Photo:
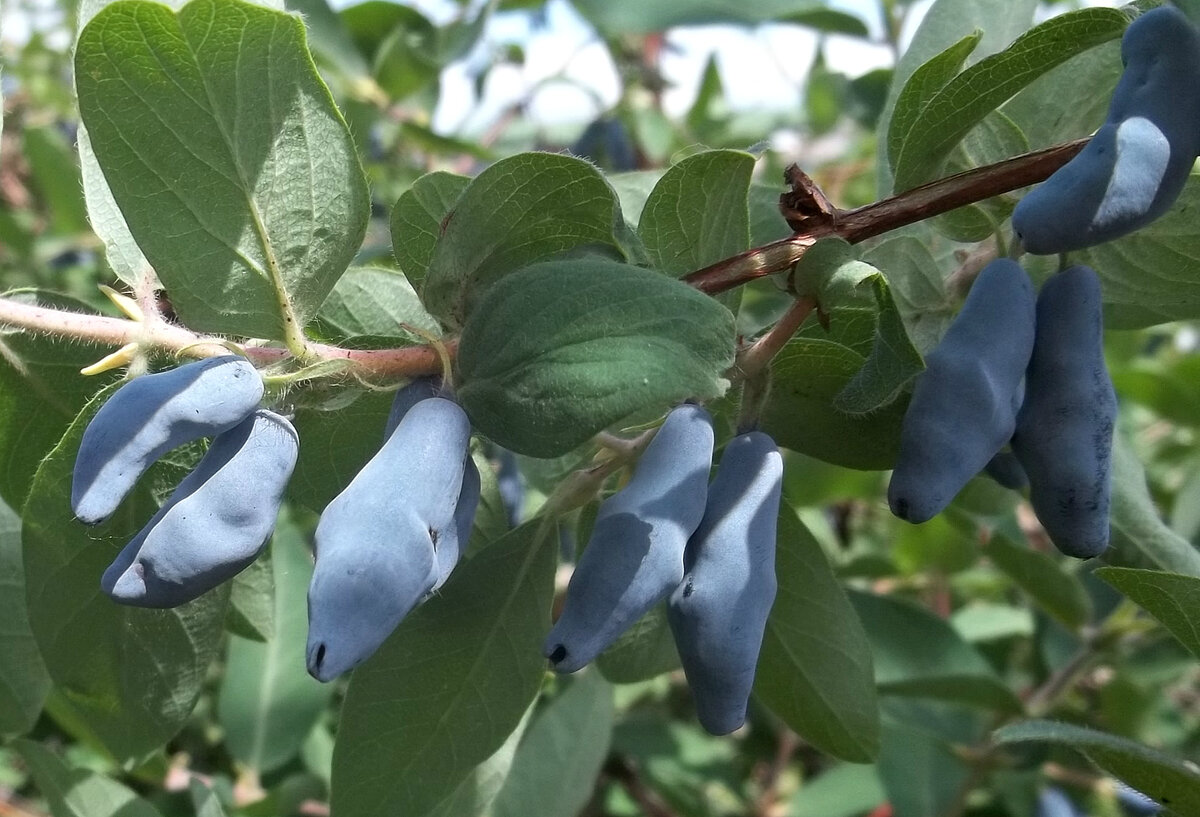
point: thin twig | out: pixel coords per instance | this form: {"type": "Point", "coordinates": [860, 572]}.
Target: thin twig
{"type": "Point", "coordinates": [897, 211]}
{"type": "Point", "coordinates": [624, 772]}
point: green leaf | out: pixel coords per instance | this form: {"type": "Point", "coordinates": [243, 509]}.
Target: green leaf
{"type": "Point", "coordinates": [473, 797]}
{"type": "Point", "coordinates": [1097, 69]}
{"type": "Point", "coordinates": [699, 212]}
{"type": "Point", "coordinates": [644, 651]}
{"type": "Point", "coordinates": [41, 391]}
{"type": "Point", "coordinates": [204, 800]}
{"type": "Point", "coordinates": [374, 302]}
{"type": "Point", "coordinates": [1138, 536]}
{"type": "Point", "coordinates": [1056, 591]}
{"type": "Point", "coordinates": [1168, 780]}
{"type": "Point", "coordinates": [121, 251]}
{"type": "Point", "coordinates": [23, 679]}
{"type": "Point", "coordinates": [946, 22]}
{"type": "Point", "coordinates": [1172, 599]}
{"type": "Point", "coordinates": [417, 219]}
{"type": "Point", "coordinates": [918, 654]}
{"type": "Point", "coordinates": [814, 670]}
{"type": "Point", "coordinates": [252, 601]}
{"type": "Point", "coordinates": [619, 17]}
{"type": "Point", "coordinates": [891, 365]}
{"type": "Point", "coordinates": [338, 442]}
{"type": "Point", "coordinates": [994, 139]}
{"type": "Point", "coordinates": [268, 702]}
{"type": "Point", "coordinates": [131, 675]}
{"type": "Point", "coordinates": [920, 772]}
{"type": "Point", "coordinates": [566, 348]}
{"type": "Point", "coordinates": [924, 83]}
{"type": "Point", "coordinates": [846, 790]}
{"type": "Point", "coordinates": [807, 375]}
{"type": "Point", "coordinates": [965, 100]}
{"type": "Point", "coordinates": [55, 178]}
{"type": "Point", "coordinates": [843, 381]}
{"type": "Point", "coordinates": [450, 685]}
{"type": "Point", "coordinates": [74, 792]}
{"type": "Point", "coordinates": [916, 277]}
{"type": "Point", "coordinates": [556, 766]}
{"type": "Point", "coordinates": [522, 209]}
{"type": "Point", "coordinates": [1170, 388]}
{"type": "Point", "coordinates": [240, 207]}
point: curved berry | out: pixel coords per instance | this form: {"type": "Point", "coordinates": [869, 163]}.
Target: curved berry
{"type": "Point", "coordinates": [377, 542]}
{"type": "Point", "coordinates": [635, 554]}
{"type": "Point", "coordinates": [215, 523]}
{"type": "Point", "coordinates": [1064, 430]}
{"type": "Point", "coordinates": [1133, 169]}
{"type": "Point", "coordinates": [963, 408]}
{"type": "Point", "coordinates": [149, 416]}
{"type": "Point", "coordinates": [719, 611]}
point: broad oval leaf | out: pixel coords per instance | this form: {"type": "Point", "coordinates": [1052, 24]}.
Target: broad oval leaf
{"type": "Point", "coordinates": [444, 692]}
{"type": "Point", "coordinates": [807, 376]}
{"type": "Point", "coordinates": [131, 675]}
{"type": "Point", "coordinates": [814, 670]}
{"type": "Point", "coordinates": [1138, 535]}
{"type": "Point", "coordinates": [556, 765]}
{"type": "Point", "coordinates": [417, 218]}
{"type": "Point", "coordinates": [232, 167]}
{"type": "Point", "coordinates": [698, 213]}
{"type": "Point", "coordinates": [565, 348]}
{"type": "Point", "coordinates": [1172, 599]}
{"type": "Point", "coordinates": [918, 654]}
{"type": "Point", "coordinates": [23, 679]}
{"type": "Point", "coordinates": [76, 792]}
{"type": "Point", "coordinates": [522, 209]}
{"type": "Point", "coordinates": [1168, 780]}
{"type": "Point", "coordinates": [1055, 590]}
{"type": "Point", "coordinates": [374, 303]}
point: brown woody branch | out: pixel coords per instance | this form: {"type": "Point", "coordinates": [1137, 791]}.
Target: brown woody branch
{"type": "Point", "coordinates": [815, 219]}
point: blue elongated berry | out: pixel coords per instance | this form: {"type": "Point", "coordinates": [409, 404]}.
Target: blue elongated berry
{"type": "Point", "coordinates": [1133, 169]}
{"type": "Point", "coordinates": [416, 390]}
{"type": "Point", "coordinates": [1053, 802]}
{"type": "Point", "coordinates": [377, 542]}
{"type": "Point", "coordinates": [634, 557]}
{"type": "Point", "coordinates": [454, 542]}
{"type": "Point", "coordinates": [215, 523]}
{"type": "Point", "coordinates": [719, 611]}
{"type": "Point", "coordinates": [1064, 430]}
{"type": "Point", "coordinates": [963, 408]}
{"type": "Point", "coordinates": [149, 416]}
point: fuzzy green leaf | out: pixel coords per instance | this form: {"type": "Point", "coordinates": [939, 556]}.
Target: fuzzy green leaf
{"type": "Point", "coordinates": [563, 349]}
{"type": "Point", "coordinates": [223, 149]}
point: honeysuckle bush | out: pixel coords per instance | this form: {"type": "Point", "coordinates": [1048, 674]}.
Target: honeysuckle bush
{"type": "Point", "coordinates": [253, 178]}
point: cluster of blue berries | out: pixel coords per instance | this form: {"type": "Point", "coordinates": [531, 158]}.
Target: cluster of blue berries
{"type": "Point", "coordinates": [1012, 372]}
{"type": "Point", "coordinates": [708, 549]}
{"type": "Point", "coordinates": [392, 537]}
{"type": "Point", "coordinates": [220, 517]}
